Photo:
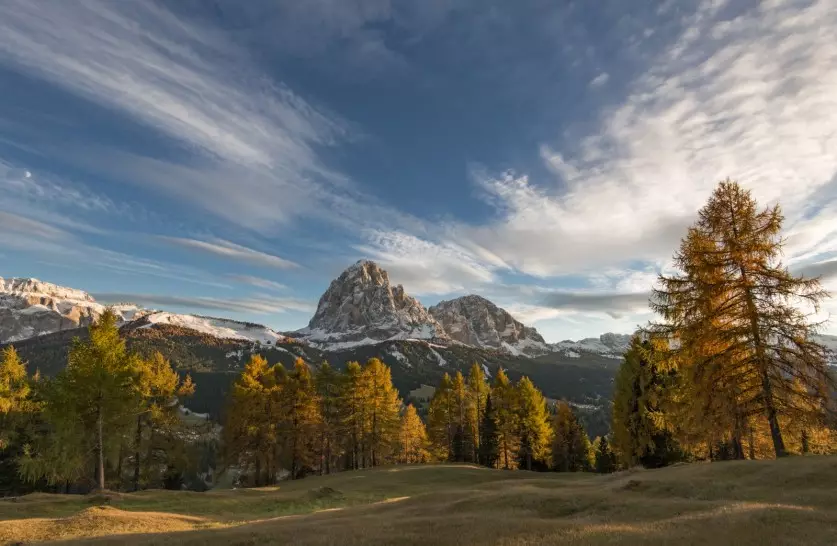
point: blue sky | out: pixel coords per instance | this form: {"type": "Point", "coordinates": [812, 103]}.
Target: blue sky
{"type": "Point", "coordinates": [231, 158]}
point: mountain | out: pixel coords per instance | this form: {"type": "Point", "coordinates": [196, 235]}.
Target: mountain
{"type": "Point", "coordinates": [29, 307]}
{"type": "Point", "coordinates": [607, 345]}
{"type": "Point", "coordinates": [361, 307]}
{"type": "Point", "coordinates": [474, 320]}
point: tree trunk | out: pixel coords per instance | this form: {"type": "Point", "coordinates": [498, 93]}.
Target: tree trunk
{"type": "Point", "coordinates": [752, 446]}
{"type": "Point", "coordinates": [100, 449]}
{"type": "Point", "coordinates": [137, 442]}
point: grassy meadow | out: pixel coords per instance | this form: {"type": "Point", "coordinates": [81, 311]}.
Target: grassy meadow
{"type": "Point", "coordinates": [790, 501]}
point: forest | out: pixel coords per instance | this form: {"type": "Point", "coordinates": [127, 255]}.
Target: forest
{"type": "Point", "coordinates": [728, 370]}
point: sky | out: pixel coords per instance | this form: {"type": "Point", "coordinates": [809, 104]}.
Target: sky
{"type": "Point", "coordinates": [231, 158]}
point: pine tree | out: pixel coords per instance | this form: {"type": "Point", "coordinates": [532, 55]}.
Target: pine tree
{"type": "Point", "coordinates": [489, 453]}
{"type": "Point", "coordinates": [413, 440]}
{"type": "Point", "coordinates": [299, 420]}
{"type": "Point", "coordinates": [640, 426]}
{"type": "Point", "coordinates": [605, 460]}
{"type": "Point", "coordinates": [477, 393]}
{"type": "Point", "coordinates": [733, 290]}
{"type": "Point", "coordinates": [504, 396]}
{"type": "Point", "coordinates": [535, 432]}
{"type": "Point", "coordinates": [459, 400]}
{"type": "Point", "coordinates": [570, 445]}
{"type": "Point", "coordinates": [94, 397]}
{"type": "Point", "coordinates": [352, 416]}
{"type": "Point", "coordinates": [440, 420]}
{"type": "Point", "coordinates": [327, 382]}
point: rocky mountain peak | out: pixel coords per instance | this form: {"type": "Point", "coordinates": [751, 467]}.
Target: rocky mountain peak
{"type": "Point", "coordinates": [361, 306]}
{"type": "Point", "coordinates": [474, 320]}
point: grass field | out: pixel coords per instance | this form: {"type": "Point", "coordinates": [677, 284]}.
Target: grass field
{"type": "Point", "coordinates": [792, 501]}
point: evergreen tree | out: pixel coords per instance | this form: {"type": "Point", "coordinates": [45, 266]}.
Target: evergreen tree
{"type": "Point", "coordinates": [93, 398]}
{"type": "Point", "coordinates": [440, 420]}
{"type": "Point", "coordinates": [504, 396]}
{"type": "Point", "coordinates": [462, 449]}
{"type": "Point", "coordinates": [413, 440]}
{"type": "Point", "coordinates": [733, 290]}
{"type": "Point", "coordinates": [489, 453]}
{"type": "Point", "coordinates": [299, 420]}
{"type": "Point", "coordinates": [477, 393]}
{"type": "Point", "coordinates": [327, 382]}
{"type": "Point", "coordinates": [570, 445]}
{"type": "Point", "coordinates": [640, 432]}
{"type": "Point", "coordinates": [535, 432]}
{"type": "Point", "coordinates": [605, 460]}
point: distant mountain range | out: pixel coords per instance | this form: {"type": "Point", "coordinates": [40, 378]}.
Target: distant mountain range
{"type": "Point", "coordinates": [360, 307]}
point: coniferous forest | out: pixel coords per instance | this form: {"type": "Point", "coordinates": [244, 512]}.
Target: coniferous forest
{"type": "Point", "coordinates": [729, 370]}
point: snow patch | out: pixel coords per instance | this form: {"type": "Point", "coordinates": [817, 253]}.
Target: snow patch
{"type": "Point", "coordinates": [220, 328]}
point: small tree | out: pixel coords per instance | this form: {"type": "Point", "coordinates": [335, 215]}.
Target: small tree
{"type": "Point", "coordinates": [535, 432]}
{"type": "Point", "coordinates": [570, 445]}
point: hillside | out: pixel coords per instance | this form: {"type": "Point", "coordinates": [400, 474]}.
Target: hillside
{"type": "Point", "coordinates": [790, 501]}
{"type": "Point", "coordinates": [214, 363]}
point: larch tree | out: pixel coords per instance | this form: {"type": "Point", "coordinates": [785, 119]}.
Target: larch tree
{"type": "Point", "coordinates": [477, 393]}
{"type": "Point", "coordinates": [299, 420]}
{"type": "Point", "coordinates": [504, 398]}
{"type": "Point", "coordinates": [535, 432]}
{"type": "Point", "coordinates": [352, 415]}
{"type": "Point", "coordinates": [160, 389]}
{"type": "Point", "coordinates": [14, 394]}
{"type": "Point", "coordinates": [383, 411]}
{"type": "Point", "coordinates": [733, 288]}
{"type": "Point", "coordinates": [413, 439]}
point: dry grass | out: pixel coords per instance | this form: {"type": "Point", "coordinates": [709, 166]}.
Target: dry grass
{"type": "Point", "coordinates": [791, 501]}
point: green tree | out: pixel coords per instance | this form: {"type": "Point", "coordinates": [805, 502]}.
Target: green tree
{"type": "Point", "coordinates": [570, 444]}
{"type": "Point", "coordinates": [477, 393]}
{"type": "Point", "coordinates": [462, 449]}
{"type": "Point", "coordinates": [440, 420]}
{"type": "Point", "coordinates": [489, 453]}
{"type": "Point", "coordinates": [327, 382]}
{"type": "Point", "coordinates": [161, 390]}
{"type": "Point", "coordinates": [733, 289]}
{"type": "Point", "coordinates": [504, 396]}
{"type": "Point", "coordinates": [300, 420]}
{"type": "Point", "coordinates": [605, 460]}
{"type": "Point", "coordinates": [535, 432]}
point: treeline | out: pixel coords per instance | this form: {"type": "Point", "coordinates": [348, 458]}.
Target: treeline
{"type": "Point", "coordinates": [292, 423]}
{"type": "Point", "coordinates": [731, 370]}
{"type": "Point", "coordinates": [108, 420]}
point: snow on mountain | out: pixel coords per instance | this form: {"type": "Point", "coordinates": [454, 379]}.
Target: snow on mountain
{"type": "Point", "coordinates": [609, 345]}
{"type": "Point", "coordinates": [476, 321]}
{"type": "Point", "coordinates": [361, 307]}
{"type": "Point", "coordinates": [29, 308]}
{"type": "Point", "coordinates": [217, 327]}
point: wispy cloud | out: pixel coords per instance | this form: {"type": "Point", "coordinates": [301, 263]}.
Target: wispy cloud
{"type": "Point", "coordinates": [261, 305]}
{"type": "Point", "coordinates": [258, 281]}
{"type": "Point", "coordinates": [192, 84]}
{"type": "Point", "coordinates": [234, 251]}
{"type": "Point", "coordinates": [600, 80]}
{"type": "Point", "coordinates": [12, 223]}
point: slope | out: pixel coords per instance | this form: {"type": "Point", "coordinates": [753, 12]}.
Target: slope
{"type": "Point", "coordinates": [791, 501]}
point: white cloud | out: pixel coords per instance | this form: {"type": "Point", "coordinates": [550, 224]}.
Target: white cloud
{"type": "Point", "coordinates": [600, 80]}
{"type": "Point", "coordinates": [234, 251]}
{"type": "Point", "coordinates": [752, 98]}
{"type": "Point", "coordinates": [258, 281]}
{"type": "Point", "coordinates": [12, 223]}
{"type": "Point", "coordinates": [260, 305]}
{"type": "Point", "coordinates": [425, 267]}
